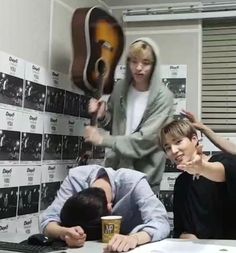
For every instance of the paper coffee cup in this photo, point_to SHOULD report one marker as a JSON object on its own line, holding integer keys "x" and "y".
{"x": 110, "y": 226}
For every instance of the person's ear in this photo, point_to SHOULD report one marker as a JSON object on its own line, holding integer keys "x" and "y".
{"x": 109, "y": 207}
{"x": 195, "y": 140}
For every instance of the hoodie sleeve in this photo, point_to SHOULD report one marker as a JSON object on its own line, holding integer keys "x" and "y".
{"x": 153, "y": 212}
{"x": 144, "y": 141}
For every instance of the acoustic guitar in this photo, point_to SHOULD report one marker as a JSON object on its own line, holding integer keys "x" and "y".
{"x": 98, "y": 43}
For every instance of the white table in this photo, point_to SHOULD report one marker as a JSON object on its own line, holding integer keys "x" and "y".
{"x": 187, "y": 246}
{"x": 89, "y": 247}
{"x": 165, "y": 246}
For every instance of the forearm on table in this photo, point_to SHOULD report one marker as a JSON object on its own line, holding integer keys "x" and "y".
{"x": 54, "y": 230}
{"x": 142, "y": 237}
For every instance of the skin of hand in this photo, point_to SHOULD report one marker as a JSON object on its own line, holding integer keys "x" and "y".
{"x": 188, "y": 236}
{"x": 216, "y": 139}
{"x": 74, "y": 236}
{"x": 197, "y": 124}
{"x": 200, "y": 166}
{"x": 93, "y": 135}
{"x": 97, "y": 106}
{"x": 195, "y": 165}
{"x": 121, "y": 243}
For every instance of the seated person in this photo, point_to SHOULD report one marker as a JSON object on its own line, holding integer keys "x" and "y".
{"x": 229, "y": 147}
{"x": 144, "y": 218}
{"x": 199, "y": 202}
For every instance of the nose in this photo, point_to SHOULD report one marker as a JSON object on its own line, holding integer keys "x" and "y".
{"x": 174, "y": 149}
{"x": 139, "y": 65}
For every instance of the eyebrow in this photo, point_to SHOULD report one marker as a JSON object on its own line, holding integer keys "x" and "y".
{"x": 172, "y": 140}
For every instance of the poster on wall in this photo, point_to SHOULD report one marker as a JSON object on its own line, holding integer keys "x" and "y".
{"x": 11, "y": 81}
{"x": 174, "y": 77}
{"x": 8, "y": 225}
{"x": 27, "y": 224}
{"x": 52, "y": 176}
{"x": 120, "y": 72}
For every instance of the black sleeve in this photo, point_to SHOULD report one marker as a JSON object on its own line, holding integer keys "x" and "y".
{"x": 229, "y": 163}
{"x": 230, "y": 174}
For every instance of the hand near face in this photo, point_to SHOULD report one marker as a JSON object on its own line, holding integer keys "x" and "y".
{"x": 194, "y": 166}
{"x": 74, "y": 237}
{"x": 93, "y": 135}
{"x": 121, "y": 243}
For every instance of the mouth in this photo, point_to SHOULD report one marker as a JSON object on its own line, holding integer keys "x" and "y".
{"x": 138, "y": 74}
{"x": 179, "y": 159}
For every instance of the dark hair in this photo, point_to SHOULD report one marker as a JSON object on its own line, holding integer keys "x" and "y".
{"x": 85, "y": 209}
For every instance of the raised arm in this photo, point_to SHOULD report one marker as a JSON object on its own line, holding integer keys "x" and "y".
{"x": 220, "y": 142}
{"x": 199, "y": 165}
{"x": 143, "y": 141}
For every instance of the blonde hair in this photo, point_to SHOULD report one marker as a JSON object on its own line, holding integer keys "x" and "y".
{"x": 139, "y": 49}
{"x": 177, "y": 128}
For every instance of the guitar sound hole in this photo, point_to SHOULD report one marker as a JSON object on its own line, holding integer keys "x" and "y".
{"x": 101, "y": 67}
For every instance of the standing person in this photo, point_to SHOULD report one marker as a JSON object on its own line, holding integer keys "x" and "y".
{"x": 204, "y": 205}
{"x": 91, "y": 191}
{"x": 137, "y": 108}
{"x": 216, "y": 139}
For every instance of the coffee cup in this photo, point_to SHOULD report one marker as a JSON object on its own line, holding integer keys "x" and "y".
{"x": 110, "y": 226}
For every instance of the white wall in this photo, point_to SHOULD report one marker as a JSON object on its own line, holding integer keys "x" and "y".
{"x": 24, "y": 27}
{"x": 39, "y": 30}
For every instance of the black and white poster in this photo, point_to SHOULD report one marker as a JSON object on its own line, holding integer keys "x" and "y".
{"x": 34, "y": 96}
{"x": 174, "y": 77}
{"x": 9, "y": 146}
{"x": 31, "y": 147}
{"x": 52, "y": 147}
{"x": 8, "y": 202}
{"x": 12, "y": 70}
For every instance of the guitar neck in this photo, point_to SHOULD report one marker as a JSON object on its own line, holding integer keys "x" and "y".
{"x": 99, "y": 94}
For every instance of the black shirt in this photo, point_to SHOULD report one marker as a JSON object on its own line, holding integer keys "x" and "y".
{"x": 201, "y": 205}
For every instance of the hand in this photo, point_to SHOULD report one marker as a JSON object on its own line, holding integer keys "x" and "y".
{"x": 194, "y": 166}
{"x": 93, "y": 135}
{"x": 121, "y": 243}
{"x": 98, "y": 107}
{"x": 188, "y": 236}
{"x": 74, "y": 236}
{"x": 190, "y": 116}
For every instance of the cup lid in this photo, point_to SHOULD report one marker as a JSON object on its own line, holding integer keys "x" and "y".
{"x": 111, "y": 217}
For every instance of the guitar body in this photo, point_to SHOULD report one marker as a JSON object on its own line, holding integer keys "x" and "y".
{"x": 98, "y": 43}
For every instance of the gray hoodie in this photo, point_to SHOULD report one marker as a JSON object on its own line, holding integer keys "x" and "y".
{"x": 140, "y": 150}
